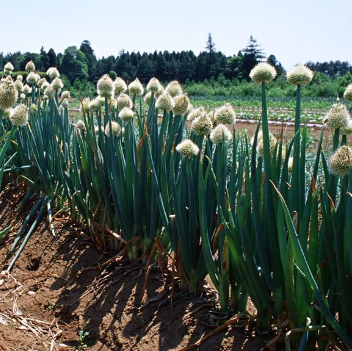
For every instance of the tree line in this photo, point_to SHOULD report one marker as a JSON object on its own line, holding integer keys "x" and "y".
{"x": 80, "y": 64}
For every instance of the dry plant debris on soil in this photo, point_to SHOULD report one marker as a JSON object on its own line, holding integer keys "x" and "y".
{"x": 61, "y": 296}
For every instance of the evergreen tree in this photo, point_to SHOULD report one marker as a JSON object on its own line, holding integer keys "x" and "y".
{"x": 210, "y": 45}
{"x": 278, "y": 66}
{"x": 53, "y": 61}
{"x": 86, "y": 48}
{"x": 252, "y": 55}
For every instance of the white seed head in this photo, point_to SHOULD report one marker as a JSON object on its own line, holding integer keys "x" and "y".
{"x": 65, "y": 94}
{"x": 49, "y": 91}
{"x": 338, "y": 117}
{"x": 300, "y": 75}
{"x": 85, "y": 105}
{"x": 19, "y": 116}
{"x": 263, "y": 72}
{"x": 112, "y": 104}
{"x": 96, "y": 129}
{"x": 57, "y": 84}
{"x": 120, "y": 85}
{"x": 95, "y": 105}
{"x": 105, "y": 86}
{"x": 126, "y": 114}
{"x": 27, "y": 89}
{"x": 348, "y": 93}
{"x": 53, "y": 72}
{"x": 8, "y": 67}
{"x": 225, "y": 115}
{"x": 348, "y": 129}
{"x": 123, "y": 100}
{"x": 165, "y": 102}
{"x": 136, "y": 88}
{"x": 30, "y": 67}
{"x": 174, "y": 88}
{"x": 195, "y": 113}
{"x": 22, "y": 97}
{"x": 40, "y": 83}
{"x": 32, "y": 78}
{"x": 19, "y": 77}
{"x": 8, "y": 93}
{"x": 159, "y": 92}
{"x": 115, "y": 129}
{"x": 272, "y": 144}
{"x": 187, "y": 148}
{"x": 19, "y": 85}
{"x": 44, "y": 85}
{"x": 148, "y": 97}
{"x": 181, "y": 105}
{"x": 65, "y": 103}
{"x": 220, "y": 134}
{"x": 202, "y": 125}
{"x": 6, "y": 113}
{"x": 341, "y": 161}
{"x": 154, "y": 85}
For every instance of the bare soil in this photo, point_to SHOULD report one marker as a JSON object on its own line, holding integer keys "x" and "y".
{"x": 61, "y": 287}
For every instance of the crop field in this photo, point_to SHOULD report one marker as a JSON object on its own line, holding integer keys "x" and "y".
{"x": 251, "y": 230}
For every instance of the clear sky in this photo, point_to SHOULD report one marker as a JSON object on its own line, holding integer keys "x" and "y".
{"x": 296, "y": 31}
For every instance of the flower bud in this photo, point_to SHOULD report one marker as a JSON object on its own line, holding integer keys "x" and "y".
{"x": 34, "y": 108}
{"x": 19, "y": 77}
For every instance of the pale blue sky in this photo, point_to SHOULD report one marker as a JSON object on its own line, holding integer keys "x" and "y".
{"x": 295, "y": 31}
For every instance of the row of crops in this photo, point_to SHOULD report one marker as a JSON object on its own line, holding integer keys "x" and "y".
{"x": 176, "y": 181}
